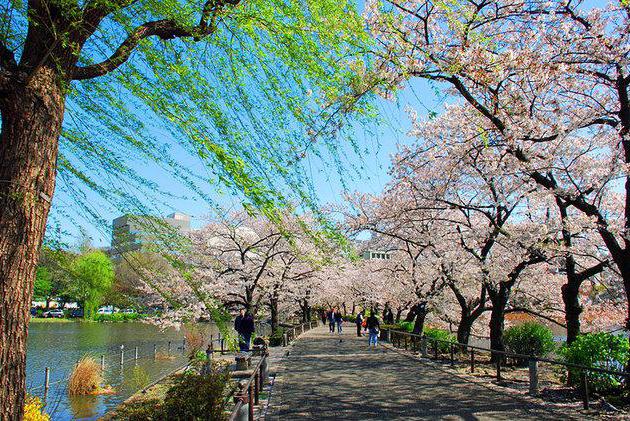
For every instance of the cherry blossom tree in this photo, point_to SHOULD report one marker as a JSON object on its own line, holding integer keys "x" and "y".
{"x": 546, "y": 86}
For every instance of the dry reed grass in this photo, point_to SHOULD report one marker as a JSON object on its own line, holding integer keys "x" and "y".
{"x": 161, "y": 355}
{"x": 194, "y": 339}
{"x": 86, "y": 377}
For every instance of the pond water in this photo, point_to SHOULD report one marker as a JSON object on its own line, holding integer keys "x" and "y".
{"x": 59, "y": 345}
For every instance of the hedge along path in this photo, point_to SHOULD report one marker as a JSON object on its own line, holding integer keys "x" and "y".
{"x": 325, "y": 379}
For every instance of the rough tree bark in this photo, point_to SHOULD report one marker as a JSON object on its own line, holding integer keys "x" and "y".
{"x": 32, "y": 105}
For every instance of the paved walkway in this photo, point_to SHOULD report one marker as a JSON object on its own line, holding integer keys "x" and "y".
{"x": 325, "y": 379}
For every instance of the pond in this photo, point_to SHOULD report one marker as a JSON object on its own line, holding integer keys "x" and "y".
{"x": 59, "y": 346}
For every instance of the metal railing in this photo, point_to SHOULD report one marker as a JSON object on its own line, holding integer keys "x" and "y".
{"x": 413, "y": 341}
{"x": 292, "y": 333}
{"x": 248, "y": 394}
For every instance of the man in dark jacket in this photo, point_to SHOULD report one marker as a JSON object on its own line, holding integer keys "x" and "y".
{"x": 244, "y": 326}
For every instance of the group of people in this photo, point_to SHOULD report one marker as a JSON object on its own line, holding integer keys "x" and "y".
{"x": 370, "y": 324}
{"x": 334, "y": 318}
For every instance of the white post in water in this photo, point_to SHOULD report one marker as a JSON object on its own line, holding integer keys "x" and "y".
{"x": 47, "y": 379}
{"x": 122, "y": 354}
{"x": 102, "y": 362}
{"x": 136, "y": 353}
{"x": 154, "y": 351}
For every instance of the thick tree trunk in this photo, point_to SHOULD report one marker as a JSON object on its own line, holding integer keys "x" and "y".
{"x": 273, "y": 307}
{"x": 32, "y": 115}
{"x": 572, "y": 308}
{"x": 499, "y": 301}
{"x": 421, "y": 315}
{"x": 464, "y": 328}
{"x": 306, "y": 311}
{"x": 399, "y": 311}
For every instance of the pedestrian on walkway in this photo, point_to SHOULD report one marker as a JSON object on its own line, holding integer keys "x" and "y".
{"x": 373, "y": 326}
{"x": 331, "y": 320}
{"x": 359, "y": 323}
{"x": 338, "y": 321}
{"x": 324, "y": 316}
{"x": 244, "y": 326}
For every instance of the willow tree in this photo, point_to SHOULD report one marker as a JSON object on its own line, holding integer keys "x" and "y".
{"x": 92, "y": 90}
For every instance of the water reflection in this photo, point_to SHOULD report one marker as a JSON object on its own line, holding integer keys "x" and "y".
{"x": 60, "y": 345}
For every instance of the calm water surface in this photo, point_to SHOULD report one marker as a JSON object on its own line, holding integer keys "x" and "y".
{"x": 60, "y": 345}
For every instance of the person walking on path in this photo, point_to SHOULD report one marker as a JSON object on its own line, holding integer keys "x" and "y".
{"x": 244, "y": 326}
{"x": 359, "y": 323}
{"x": 338, "y": 321}
{"x": 331, "y": 320}
{"x": 373, "y": 327}
{"x": 324, "y": 316}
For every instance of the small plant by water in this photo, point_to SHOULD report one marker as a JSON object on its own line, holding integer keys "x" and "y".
{"x": 86, "y": 378}
{"x": 194, "y": 339}
{"x": 34, "y": 410}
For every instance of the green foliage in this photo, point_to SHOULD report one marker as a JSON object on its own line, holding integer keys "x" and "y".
{"x": 277, "y": 337}
{"x": 117, "y": 317}
{"x": 529, "y": 338}
{"x": 351, "y": 318}
{"x": 43, "y": 283}
{"x": 198, "y": 396}
{"x": 444, "y": 338}
{"x": 600, "y": 350}
{"x": 407, "y": 326}
{"x": 93, "y": 275}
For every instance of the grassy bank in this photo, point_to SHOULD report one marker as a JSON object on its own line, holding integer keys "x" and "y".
{"x": 51, "y": 320}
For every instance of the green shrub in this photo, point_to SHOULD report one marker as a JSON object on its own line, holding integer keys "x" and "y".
{"x": 406, "y": 326}
{"x": 117, "y": 317}
{"x": 444, "y": 337}
{"x": 529, "y": 338}
{"x": 277, "y": 338}
{"x": 351, "y": 318}
{"x": 601, "y": 350}
{"x": 198, "y": 396}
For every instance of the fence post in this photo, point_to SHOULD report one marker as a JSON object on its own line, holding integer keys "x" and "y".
{"x": 47, "y": 378}
{"x": 222, "y": 345}
{"x": 256, "y": 385}
{"x": 154, "y": 351}
{"x": 251, "y": 403}
{"x": 122, "y": 354}
{"x": 169, "y": 348}
{"x": 533, "y": 377}
{"x": 472, "y": 360}
{"x": 285, "y": 339}
{"x": 102, "y": 362}
{"x": 184, "y": 346}
{"x": 136, "y": 353}
{"x": 423, "y": 346}
{"x": 584, "y": 389}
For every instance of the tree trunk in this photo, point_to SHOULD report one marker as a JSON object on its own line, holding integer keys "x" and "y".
{"x": 464, "y": 328}
{"x": 399, "y": 311}
{"x": 273, "y": 306}
{"x": 499, "y": 301}
{"x": 421, "y": 315}
{"x": 32, "y": 115}
{"x": 306, "y": 311}
{"x": 572, "y": 308}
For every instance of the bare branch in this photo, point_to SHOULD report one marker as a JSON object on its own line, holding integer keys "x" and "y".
{"x": 164, "y": 29}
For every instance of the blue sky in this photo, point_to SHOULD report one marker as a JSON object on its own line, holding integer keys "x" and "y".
{"x": 381, "y": 142}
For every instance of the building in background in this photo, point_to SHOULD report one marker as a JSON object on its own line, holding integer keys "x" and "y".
{"x": 144, "y": 232}
{"x": 375, "y": 254}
